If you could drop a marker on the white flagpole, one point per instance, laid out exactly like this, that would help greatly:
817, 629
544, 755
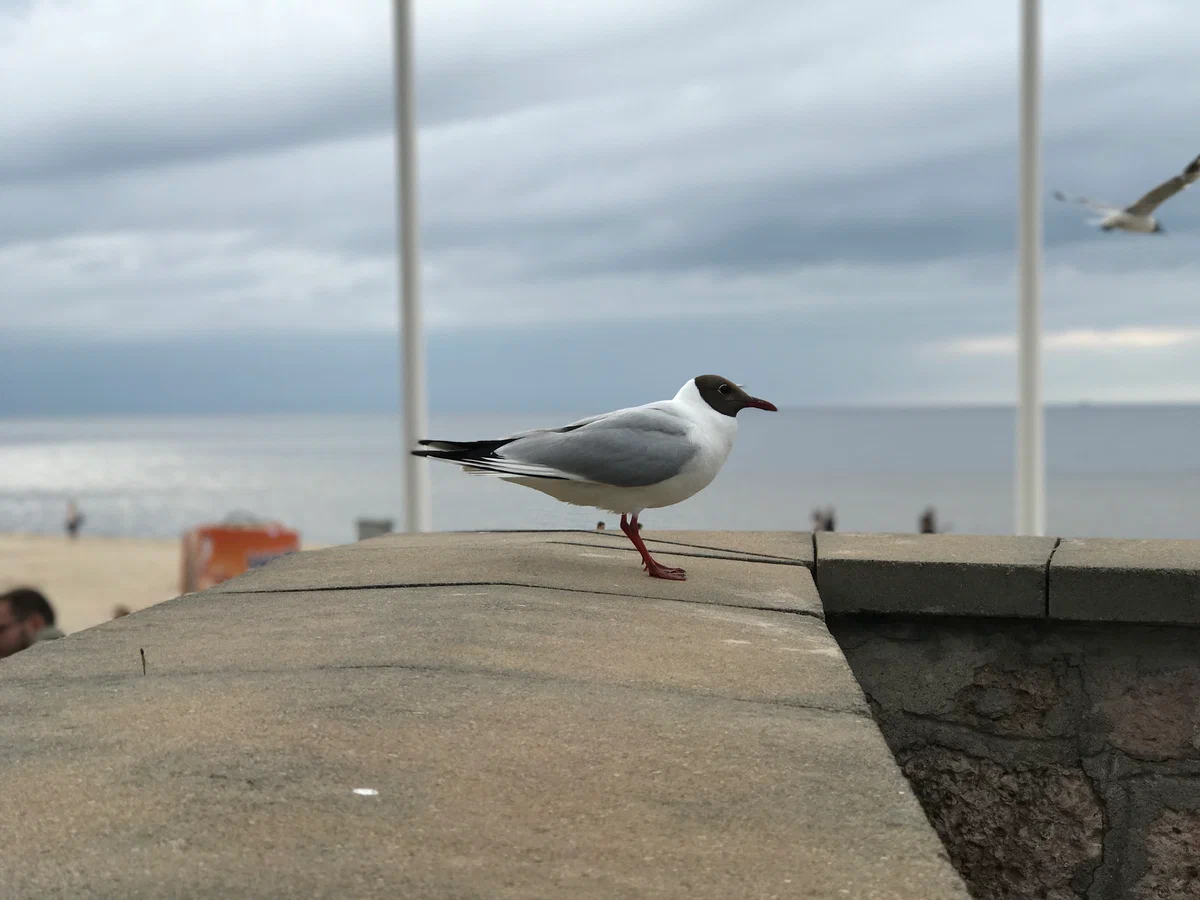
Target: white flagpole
1030, 493
417, 515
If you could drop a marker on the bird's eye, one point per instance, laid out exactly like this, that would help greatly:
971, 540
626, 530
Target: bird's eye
724, 389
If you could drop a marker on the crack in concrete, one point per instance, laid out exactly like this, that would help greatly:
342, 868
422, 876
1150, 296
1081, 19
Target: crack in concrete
544, 678
816, 580
815, 614
650, 539
1097, 787
735, 555
1015, 740
1049, 561
485, 672
1154, 778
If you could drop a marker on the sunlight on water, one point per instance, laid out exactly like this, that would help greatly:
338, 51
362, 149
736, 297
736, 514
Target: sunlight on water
1112, 471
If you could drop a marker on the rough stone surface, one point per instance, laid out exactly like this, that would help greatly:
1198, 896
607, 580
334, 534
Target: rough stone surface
997, 678
643, 643
942, 574
1173, 853
1153, 715
1012, 833
513, 741
581, 561
1024, 701
1109, 580
1043, 751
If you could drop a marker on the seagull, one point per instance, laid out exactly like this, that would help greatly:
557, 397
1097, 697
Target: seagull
1137, 217
625, 461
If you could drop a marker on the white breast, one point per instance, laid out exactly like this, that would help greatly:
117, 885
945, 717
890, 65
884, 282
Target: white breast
713, 435
1130, 222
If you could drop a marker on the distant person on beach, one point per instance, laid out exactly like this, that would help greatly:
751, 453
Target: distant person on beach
26, 617
74, 520
927, 524
822, 519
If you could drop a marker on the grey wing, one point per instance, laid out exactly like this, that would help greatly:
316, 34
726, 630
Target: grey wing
570, 426
1165, 191
628, 448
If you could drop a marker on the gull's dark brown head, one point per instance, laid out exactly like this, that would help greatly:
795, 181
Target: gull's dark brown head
726, 397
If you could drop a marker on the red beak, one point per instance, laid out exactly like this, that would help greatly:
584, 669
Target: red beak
761, 404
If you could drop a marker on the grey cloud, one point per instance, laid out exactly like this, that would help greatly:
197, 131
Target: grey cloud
326, 102
85, 148
846, 172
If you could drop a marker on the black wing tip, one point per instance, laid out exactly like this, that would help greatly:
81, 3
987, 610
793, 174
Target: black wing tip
1193, 167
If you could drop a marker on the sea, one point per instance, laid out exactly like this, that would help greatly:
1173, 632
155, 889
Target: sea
1111, 471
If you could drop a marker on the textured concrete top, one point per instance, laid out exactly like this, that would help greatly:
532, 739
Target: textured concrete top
598, 562
944, 574
1152, 581
463, 716
1126, 580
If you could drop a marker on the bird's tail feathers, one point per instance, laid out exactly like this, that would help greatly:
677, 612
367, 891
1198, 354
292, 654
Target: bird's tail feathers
458, 451
480, 458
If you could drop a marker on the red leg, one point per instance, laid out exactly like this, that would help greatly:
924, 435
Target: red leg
653, 569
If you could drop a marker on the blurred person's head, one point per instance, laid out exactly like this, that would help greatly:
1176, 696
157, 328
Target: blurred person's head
24, 614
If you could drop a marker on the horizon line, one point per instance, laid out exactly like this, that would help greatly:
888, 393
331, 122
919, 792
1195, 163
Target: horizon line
849, 406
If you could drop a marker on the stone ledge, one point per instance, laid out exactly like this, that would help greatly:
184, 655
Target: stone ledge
580, 561
943, 574
1152, 581
1108, 580
949, 575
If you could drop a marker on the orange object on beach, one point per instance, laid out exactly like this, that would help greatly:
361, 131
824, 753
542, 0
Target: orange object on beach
216, 553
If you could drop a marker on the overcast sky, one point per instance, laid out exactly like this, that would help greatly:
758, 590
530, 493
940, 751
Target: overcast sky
838, 176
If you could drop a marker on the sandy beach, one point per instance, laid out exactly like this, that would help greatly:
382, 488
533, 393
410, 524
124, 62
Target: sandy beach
87, 578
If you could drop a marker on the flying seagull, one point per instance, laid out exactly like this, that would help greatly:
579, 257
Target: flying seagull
1137, 217
641, 457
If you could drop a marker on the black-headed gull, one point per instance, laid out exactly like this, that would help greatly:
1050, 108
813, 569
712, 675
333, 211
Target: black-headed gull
625, 461
1137, 216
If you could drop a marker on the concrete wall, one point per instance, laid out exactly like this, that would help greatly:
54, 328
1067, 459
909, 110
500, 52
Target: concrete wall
534, 716
1055, 759
1045, 709
464, 715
